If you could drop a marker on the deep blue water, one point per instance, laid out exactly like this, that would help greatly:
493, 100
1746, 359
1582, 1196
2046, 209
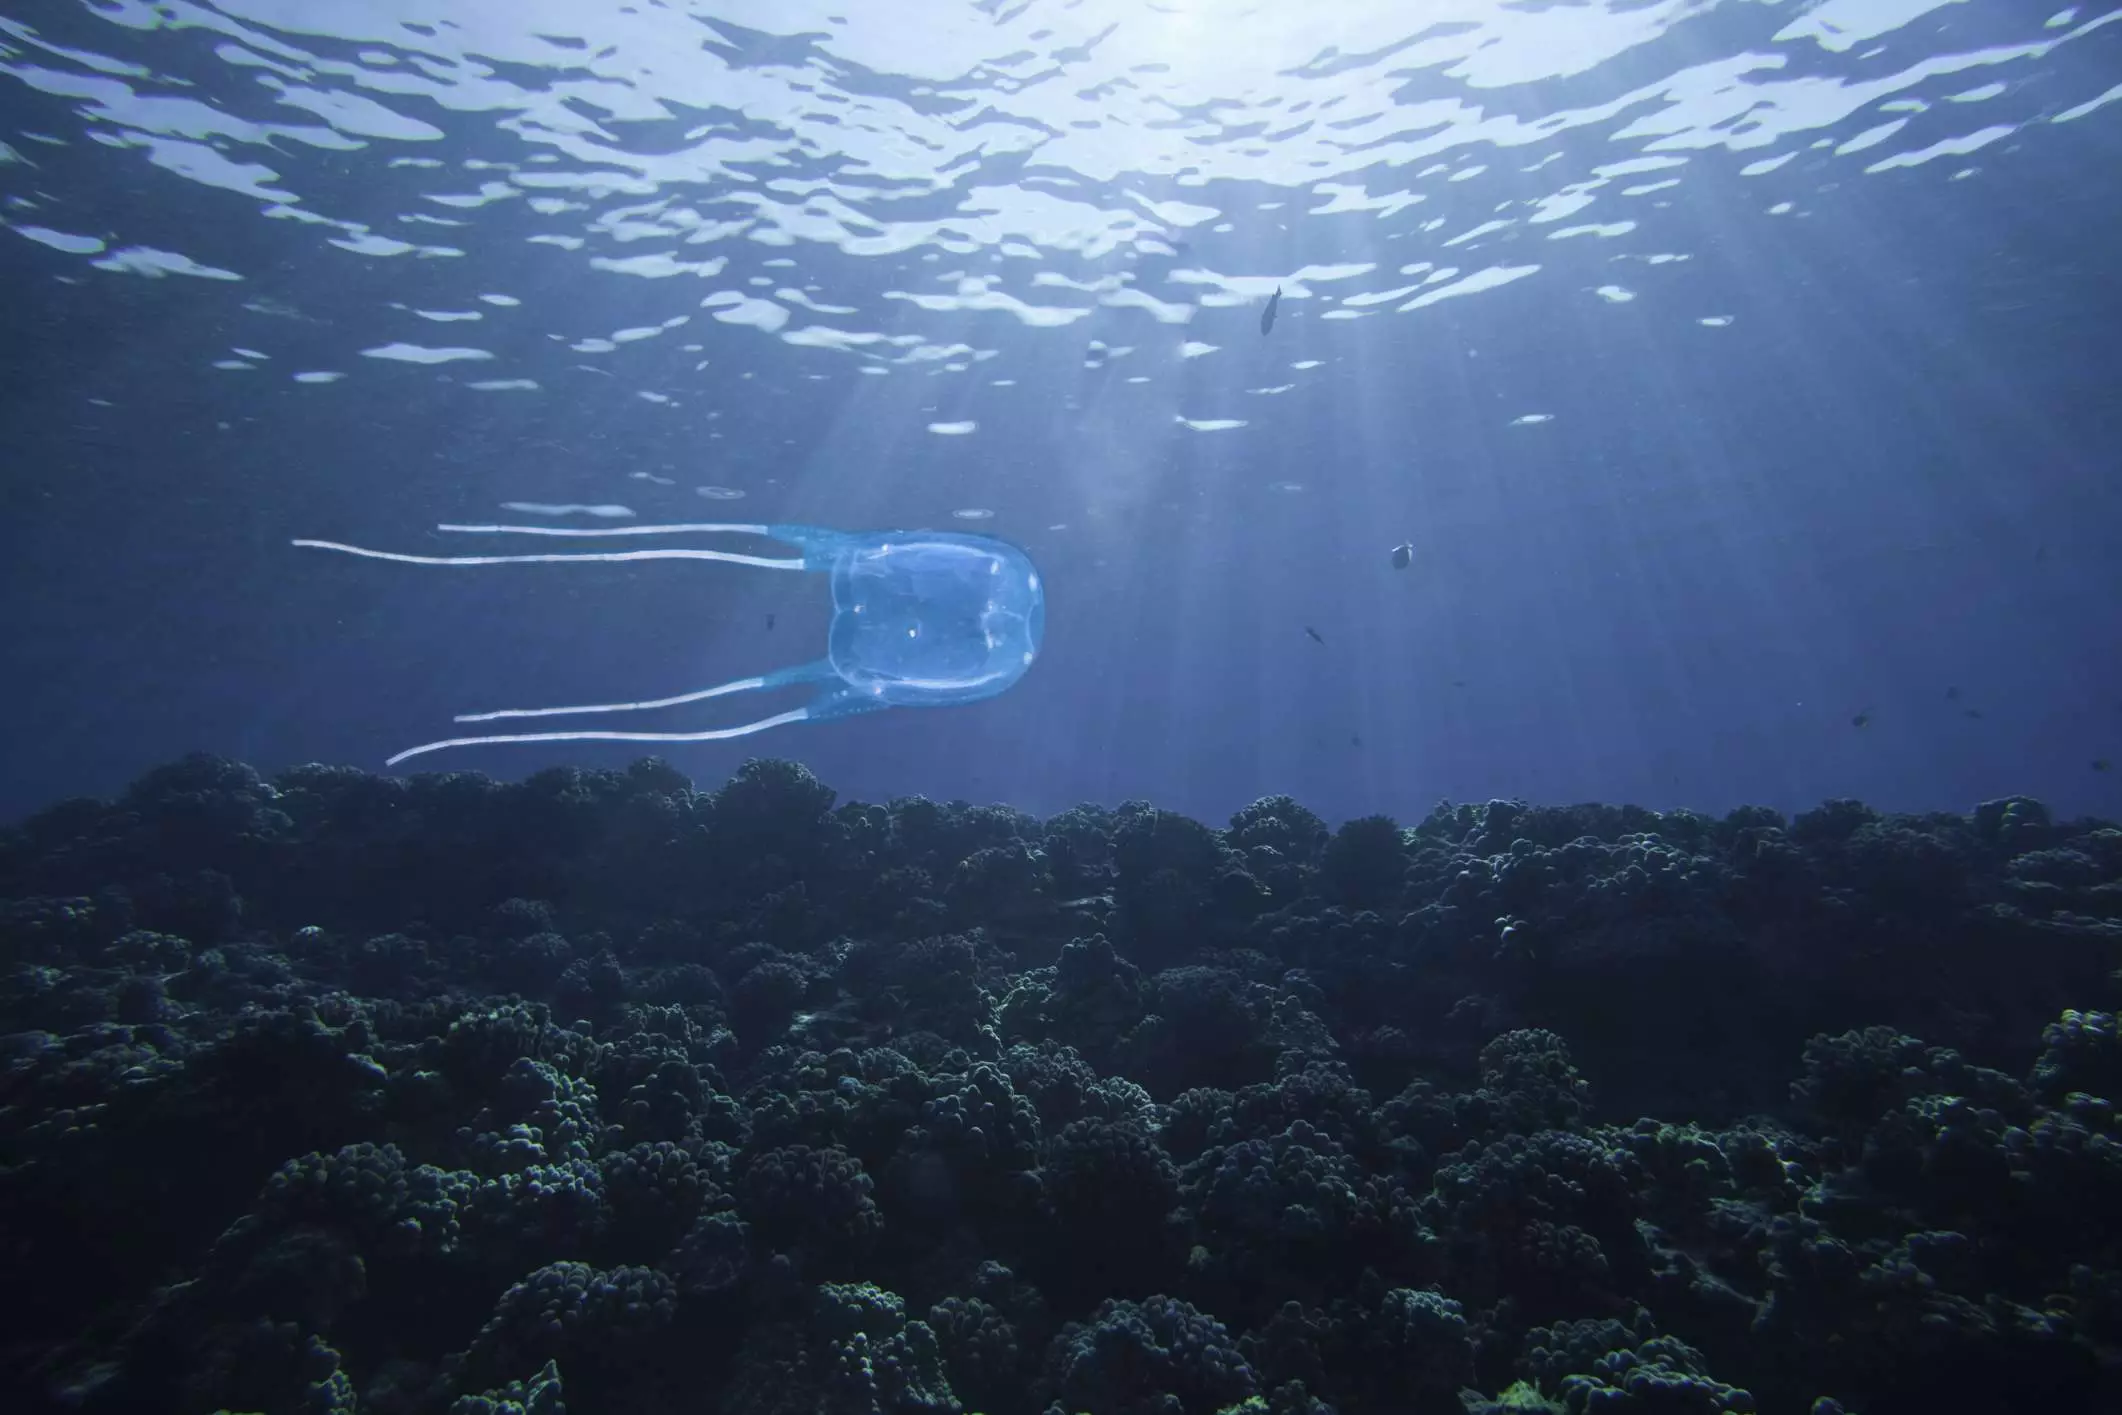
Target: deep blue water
1744, 376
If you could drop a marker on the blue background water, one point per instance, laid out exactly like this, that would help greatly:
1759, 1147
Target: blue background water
1736, 371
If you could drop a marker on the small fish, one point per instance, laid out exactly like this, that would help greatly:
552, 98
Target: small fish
2102, 764
1970, 712
279, 309
1316, 636
1267, 316
1861, 718
769, 623
1952, 695
1355, 739
1403, 555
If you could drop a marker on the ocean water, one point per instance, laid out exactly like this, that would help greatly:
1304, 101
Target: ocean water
1741, 376
1498, 625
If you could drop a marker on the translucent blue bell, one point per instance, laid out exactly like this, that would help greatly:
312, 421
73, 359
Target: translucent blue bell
920, 619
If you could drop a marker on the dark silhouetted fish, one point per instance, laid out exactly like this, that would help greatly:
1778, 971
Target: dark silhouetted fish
1316, 636
769, 623
1403, 555
1861, 718
1267, 316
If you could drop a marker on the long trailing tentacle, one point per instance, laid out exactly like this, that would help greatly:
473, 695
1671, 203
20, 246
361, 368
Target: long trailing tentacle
712, 735
681, 528
764, 562
739, 686
779, 678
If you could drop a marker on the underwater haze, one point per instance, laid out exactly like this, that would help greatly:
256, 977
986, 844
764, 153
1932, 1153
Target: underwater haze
1740, 376
1060, 707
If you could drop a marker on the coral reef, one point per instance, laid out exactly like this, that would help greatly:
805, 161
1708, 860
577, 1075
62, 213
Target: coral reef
597, 1091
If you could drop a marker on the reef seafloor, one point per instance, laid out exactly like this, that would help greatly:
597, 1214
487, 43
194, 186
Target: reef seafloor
598, 1092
